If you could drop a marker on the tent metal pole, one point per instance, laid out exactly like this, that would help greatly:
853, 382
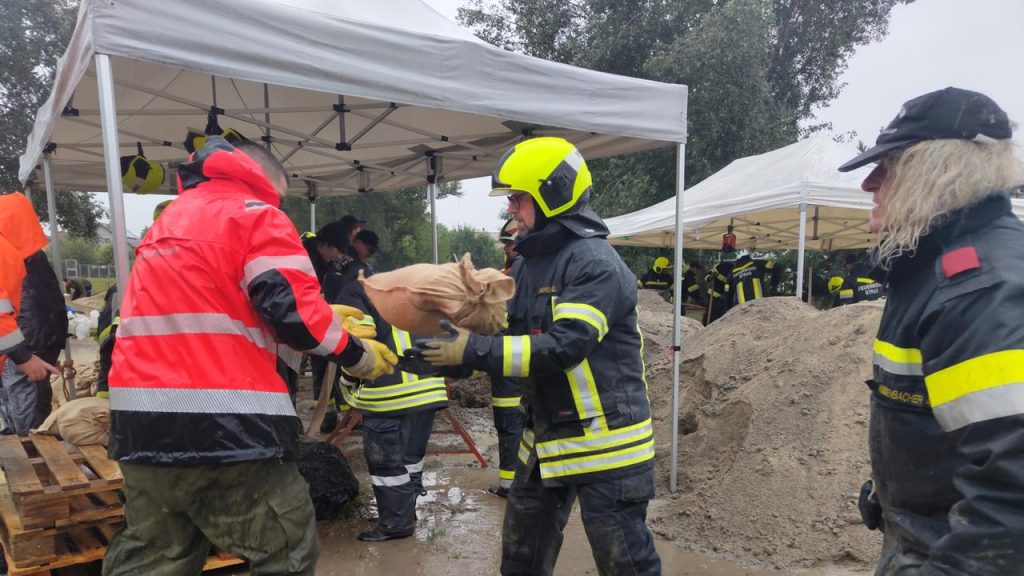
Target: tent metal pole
51, 212
266, 116
677, 323
111, 151
432, 192
801, 244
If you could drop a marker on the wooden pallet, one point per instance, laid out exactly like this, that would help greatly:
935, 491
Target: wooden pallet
85, 545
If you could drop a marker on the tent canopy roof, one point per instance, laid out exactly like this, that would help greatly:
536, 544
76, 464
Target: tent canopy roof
356, 95
761, 196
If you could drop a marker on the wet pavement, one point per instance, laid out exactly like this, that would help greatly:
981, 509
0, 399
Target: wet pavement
459, 533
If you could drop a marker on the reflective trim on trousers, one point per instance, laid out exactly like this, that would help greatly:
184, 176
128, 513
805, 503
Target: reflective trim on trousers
414, 468
516, 356
598, 463
194, 323
390, 481
201, 401
595, 442
506, 401
261, 264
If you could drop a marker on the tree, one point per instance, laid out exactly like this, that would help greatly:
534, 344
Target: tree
482, 247
33, 34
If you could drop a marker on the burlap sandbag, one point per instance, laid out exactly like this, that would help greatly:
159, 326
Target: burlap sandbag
417, 297
80, 422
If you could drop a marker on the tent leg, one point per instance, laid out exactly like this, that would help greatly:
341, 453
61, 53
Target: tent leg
51, 211
800, 252
111, 154
432, 192
312, 214
677, 323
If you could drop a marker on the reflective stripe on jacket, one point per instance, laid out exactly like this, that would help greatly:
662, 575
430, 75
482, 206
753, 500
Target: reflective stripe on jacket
753, 279
947, 424
218, 280
573, 337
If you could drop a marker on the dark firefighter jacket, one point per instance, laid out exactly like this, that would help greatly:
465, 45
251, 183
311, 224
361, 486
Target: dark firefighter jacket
43, 317
218, 281
394, 394
655, 280
947, 410
753, 279
860, 285
573, 338
719, 286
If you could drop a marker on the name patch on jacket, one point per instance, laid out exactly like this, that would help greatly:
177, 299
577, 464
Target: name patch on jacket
959, 261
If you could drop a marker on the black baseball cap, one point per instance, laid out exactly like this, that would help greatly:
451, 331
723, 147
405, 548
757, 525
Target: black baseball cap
950, 113
370, 238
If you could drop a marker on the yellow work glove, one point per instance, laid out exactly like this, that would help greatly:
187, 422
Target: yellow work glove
349, 317
377, 361
446, 350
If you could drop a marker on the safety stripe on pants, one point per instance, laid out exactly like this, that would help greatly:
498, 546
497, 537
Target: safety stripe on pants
390, 481
415, 467
201, 401
506, 401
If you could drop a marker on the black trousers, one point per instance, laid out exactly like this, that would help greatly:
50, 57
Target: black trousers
614, 516
394, 447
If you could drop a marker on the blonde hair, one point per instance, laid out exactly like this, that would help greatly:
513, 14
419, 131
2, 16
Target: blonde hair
933, 178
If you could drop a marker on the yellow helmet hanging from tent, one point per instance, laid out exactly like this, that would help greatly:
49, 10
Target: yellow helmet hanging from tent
551, 170
141, 175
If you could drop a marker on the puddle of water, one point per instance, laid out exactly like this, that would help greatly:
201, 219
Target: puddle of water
459, 532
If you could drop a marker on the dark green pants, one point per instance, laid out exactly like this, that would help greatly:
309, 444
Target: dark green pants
259, 511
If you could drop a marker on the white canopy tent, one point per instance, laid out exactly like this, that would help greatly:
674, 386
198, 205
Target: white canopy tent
788, 198
354, 97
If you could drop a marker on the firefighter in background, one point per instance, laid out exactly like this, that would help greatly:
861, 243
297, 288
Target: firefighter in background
860, 283
719, 287
947, 402
753, 279
506, 392
573, 338
659, 277
398, 415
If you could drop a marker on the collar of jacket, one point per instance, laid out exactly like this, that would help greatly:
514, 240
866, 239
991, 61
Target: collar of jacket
582, 222
950, 227
222, 163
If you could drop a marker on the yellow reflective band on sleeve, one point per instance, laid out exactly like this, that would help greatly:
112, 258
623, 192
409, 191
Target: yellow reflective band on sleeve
769, 264
847, 293
505, 402
599, 462
896, 360
982, 388
584, 312
516, 356
743, 267
865, 280
506, 474
693, 288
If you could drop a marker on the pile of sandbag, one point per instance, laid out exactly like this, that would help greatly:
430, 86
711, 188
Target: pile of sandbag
81, 422
416, 298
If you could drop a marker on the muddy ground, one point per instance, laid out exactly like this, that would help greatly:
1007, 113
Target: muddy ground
772, 447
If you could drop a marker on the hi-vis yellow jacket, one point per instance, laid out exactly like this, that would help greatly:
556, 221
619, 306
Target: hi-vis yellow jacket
573, 338
947, 421
394, 394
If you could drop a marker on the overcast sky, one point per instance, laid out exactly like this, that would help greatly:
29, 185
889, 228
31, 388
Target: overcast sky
976, 44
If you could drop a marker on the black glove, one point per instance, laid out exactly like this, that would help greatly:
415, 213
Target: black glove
870, 508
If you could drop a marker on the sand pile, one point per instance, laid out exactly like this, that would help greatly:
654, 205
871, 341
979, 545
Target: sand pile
773, 432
